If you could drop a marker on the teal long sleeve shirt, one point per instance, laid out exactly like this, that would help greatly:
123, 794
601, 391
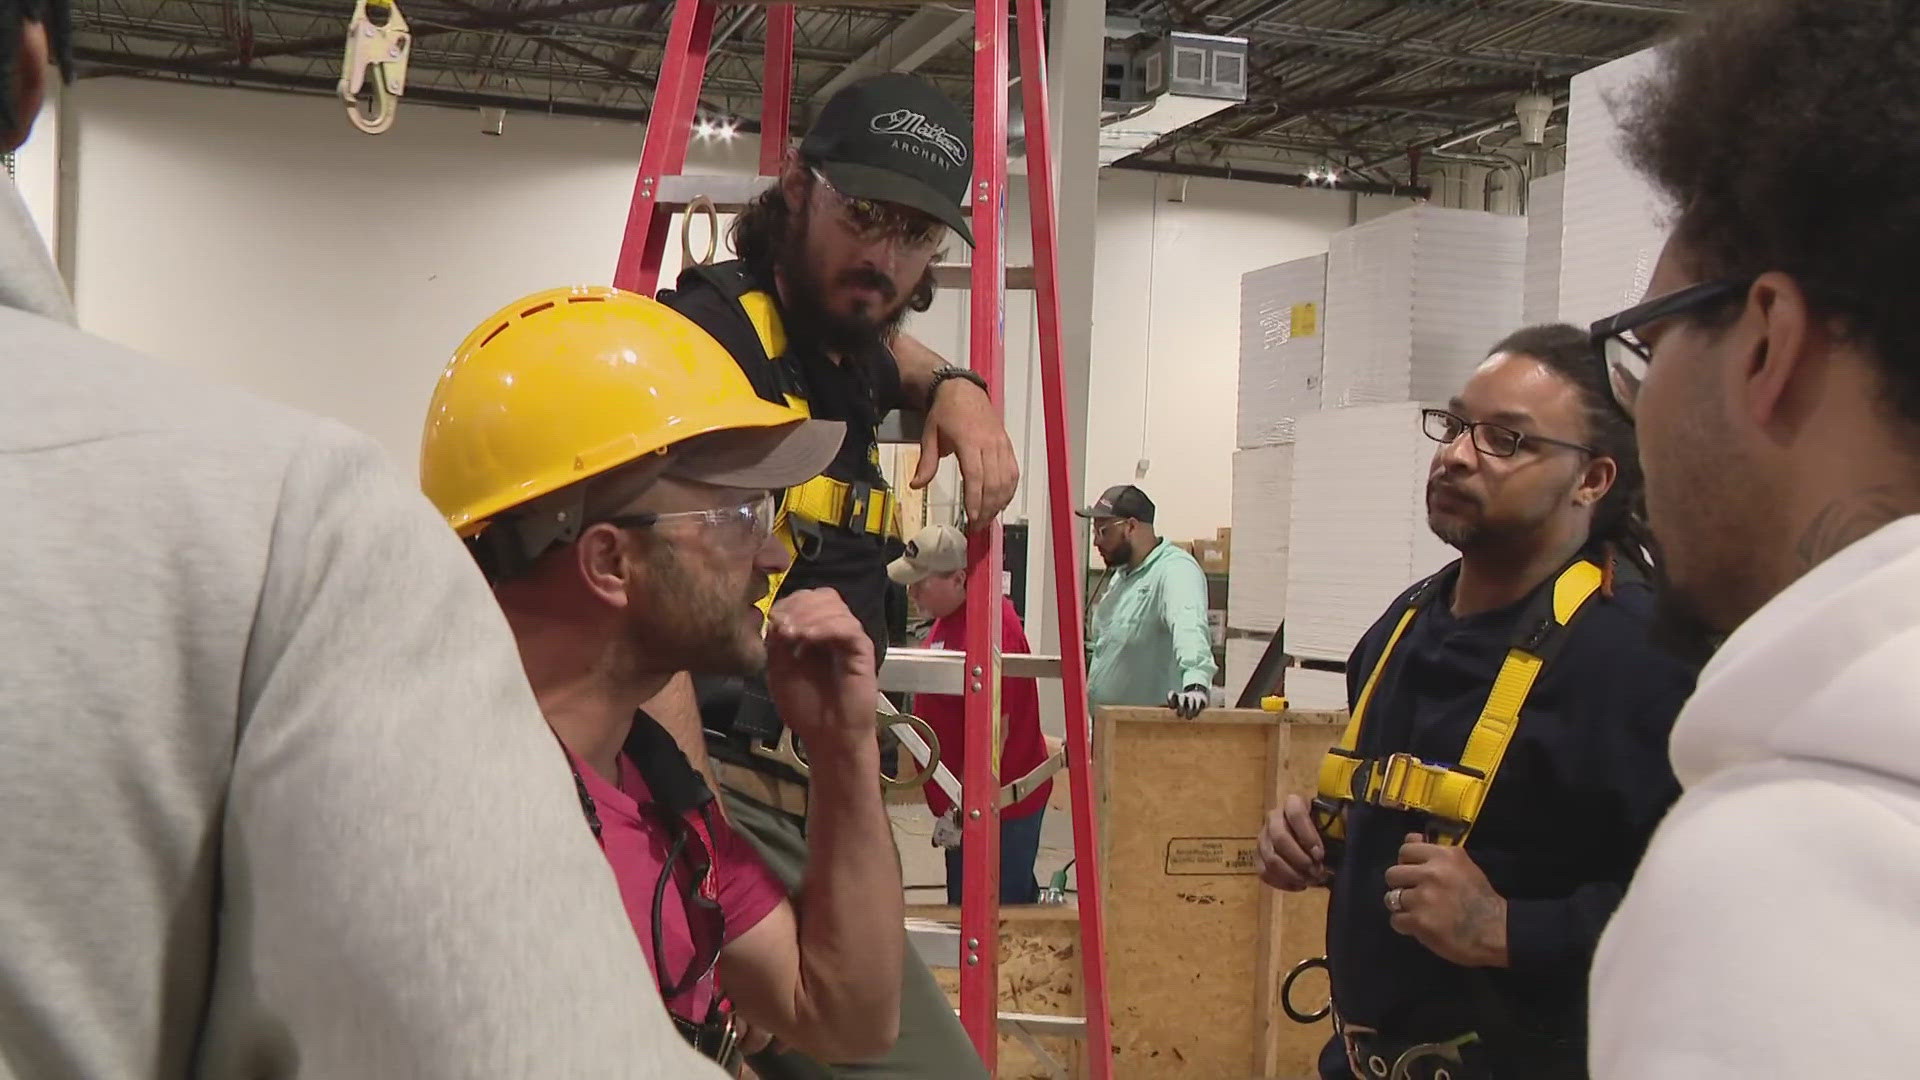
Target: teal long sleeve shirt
1149, 635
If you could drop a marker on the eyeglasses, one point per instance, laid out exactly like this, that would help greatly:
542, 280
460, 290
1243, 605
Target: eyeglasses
706, 921
751, 522
1617, 348
874, 220
1494, 440
1116, 521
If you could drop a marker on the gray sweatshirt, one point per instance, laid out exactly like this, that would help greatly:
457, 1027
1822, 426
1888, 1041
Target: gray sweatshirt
275, 799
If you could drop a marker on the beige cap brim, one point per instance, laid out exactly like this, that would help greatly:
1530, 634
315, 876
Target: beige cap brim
766, 458
901, 571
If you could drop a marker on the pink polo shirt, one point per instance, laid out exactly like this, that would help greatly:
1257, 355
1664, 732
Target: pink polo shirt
637, 846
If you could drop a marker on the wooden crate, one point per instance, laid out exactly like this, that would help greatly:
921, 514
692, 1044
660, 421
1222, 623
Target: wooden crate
1039, 973
1196, 944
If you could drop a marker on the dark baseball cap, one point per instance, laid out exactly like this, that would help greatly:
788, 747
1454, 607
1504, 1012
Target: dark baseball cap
896, 138
1123, 501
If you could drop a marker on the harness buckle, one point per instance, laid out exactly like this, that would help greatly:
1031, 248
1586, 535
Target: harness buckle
1408, 783
806, 536
859, 495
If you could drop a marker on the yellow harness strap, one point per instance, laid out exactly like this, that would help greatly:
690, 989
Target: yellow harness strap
822, 500
1451, 795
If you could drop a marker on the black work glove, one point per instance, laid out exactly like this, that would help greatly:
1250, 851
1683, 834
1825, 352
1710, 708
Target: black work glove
1188, 703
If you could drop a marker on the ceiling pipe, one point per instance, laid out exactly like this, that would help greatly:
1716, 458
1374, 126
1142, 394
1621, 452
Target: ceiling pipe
218, 59
1261, 176
1455, 139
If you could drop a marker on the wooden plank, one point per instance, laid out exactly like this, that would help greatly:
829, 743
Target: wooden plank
1154, 714
1197, 943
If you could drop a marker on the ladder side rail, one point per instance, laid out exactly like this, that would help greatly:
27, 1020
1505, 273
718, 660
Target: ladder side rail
980, 817
1065, 538
776, 90
664, 151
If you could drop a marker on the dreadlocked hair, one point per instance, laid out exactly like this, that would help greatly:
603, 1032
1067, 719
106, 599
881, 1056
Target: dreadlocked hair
57, 17
1620, 519
760, 233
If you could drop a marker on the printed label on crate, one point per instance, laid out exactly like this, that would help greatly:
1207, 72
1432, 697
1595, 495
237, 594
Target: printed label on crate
1306, 320
1212, 855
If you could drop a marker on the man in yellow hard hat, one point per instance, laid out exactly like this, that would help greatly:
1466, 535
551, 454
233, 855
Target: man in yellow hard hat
613, 473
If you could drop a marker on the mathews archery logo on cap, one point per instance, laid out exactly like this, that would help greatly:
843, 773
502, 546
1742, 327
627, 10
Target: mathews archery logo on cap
895, 138
915, 126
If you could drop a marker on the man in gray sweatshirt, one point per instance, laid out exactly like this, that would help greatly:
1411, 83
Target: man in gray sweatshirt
275, 799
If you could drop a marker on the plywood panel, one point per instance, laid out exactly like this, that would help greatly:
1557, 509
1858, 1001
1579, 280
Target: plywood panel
1196, 944
1039, 973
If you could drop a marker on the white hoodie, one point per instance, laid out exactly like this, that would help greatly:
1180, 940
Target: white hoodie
1773, 929
275, 799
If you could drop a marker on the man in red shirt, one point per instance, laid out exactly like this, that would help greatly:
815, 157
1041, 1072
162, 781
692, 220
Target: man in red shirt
612, 472
934, 570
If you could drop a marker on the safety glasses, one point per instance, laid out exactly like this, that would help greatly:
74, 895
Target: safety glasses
873, 220
749, 523
1494, 440
1623, 357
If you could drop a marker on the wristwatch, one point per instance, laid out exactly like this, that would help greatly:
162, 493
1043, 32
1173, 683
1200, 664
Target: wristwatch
941, 375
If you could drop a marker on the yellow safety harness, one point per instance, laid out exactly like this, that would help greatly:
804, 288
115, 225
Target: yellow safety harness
855, 506
1450, 795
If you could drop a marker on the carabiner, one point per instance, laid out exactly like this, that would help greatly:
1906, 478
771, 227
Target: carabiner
380, 50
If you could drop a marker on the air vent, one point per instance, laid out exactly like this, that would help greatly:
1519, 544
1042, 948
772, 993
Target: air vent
1229, 70
1189, 65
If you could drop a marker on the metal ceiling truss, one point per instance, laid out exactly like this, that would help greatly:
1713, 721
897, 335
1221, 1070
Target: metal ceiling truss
1359, 85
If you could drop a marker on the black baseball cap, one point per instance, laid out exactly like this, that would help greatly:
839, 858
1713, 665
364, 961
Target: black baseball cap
1124, 501
896, 138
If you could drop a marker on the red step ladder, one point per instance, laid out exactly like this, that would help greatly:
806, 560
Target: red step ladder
660, 191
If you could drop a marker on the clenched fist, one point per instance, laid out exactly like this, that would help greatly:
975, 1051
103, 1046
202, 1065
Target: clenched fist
1292, 854
821, 672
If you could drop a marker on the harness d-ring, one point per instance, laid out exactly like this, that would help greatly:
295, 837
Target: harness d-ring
1286, 992
694, 206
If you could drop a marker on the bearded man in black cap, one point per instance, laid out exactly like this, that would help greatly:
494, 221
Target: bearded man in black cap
831, 259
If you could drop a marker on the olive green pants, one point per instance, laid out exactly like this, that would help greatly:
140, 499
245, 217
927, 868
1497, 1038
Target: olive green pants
932, 1044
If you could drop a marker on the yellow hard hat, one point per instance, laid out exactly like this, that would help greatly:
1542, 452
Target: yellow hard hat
569, 383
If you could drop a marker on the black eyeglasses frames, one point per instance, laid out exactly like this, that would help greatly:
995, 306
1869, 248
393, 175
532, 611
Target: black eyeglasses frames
1617, 348
1494, 440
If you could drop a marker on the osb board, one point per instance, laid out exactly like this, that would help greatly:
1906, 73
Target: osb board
1039, 973
1196, 945
1300, 920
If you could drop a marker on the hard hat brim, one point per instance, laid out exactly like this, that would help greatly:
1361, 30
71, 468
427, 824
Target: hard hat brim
760, 458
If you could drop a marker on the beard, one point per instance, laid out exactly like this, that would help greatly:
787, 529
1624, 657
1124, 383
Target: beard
808, 316
696, 622
1121, 555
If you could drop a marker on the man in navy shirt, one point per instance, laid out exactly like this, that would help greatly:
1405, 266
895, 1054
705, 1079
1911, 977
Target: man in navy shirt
1506, 762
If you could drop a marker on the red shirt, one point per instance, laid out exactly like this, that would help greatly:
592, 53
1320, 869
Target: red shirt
637, 844
1022, 747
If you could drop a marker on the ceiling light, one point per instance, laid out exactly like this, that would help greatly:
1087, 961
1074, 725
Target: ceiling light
728, 130
703, 129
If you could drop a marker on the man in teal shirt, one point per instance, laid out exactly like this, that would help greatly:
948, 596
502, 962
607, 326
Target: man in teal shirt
1149, 643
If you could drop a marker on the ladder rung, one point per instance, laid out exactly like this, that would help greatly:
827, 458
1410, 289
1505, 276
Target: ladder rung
730, 194
943, 671
900, 427
960, 276
1041, 1024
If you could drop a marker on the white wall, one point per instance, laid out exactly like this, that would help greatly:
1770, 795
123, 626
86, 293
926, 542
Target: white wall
260, 238
1167, 328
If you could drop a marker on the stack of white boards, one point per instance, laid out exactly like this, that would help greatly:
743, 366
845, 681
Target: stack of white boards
1612, 228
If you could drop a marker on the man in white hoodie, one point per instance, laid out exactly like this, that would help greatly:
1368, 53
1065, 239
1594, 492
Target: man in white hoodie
1774, 926
275, 799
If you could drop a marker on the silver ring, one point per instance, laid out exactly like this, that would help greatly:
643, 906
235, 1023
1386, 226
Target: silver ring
1393, 901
